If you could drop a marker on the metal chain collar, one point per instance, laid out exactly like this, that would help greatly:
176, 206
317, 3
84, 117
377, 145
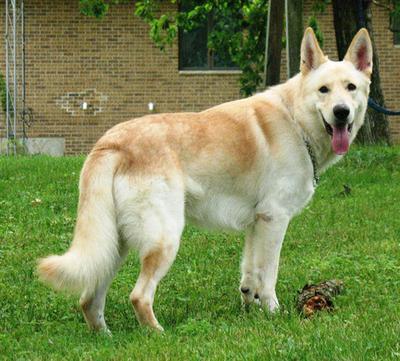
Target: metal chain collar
313, 161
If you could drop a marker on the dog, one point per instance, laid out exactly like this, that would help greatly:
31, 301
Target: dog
250, 164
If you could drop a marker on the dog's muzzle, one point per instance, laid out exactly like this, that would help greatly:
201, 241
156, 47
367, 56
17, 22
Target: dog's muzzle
341, 113
340, 130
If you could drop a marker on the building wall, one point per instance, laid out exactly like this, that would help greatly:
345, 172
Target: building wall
111, 64
114, 67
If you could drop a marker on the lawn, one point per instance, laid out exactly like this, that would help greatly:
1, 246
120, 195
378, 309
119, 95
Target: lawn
352, 237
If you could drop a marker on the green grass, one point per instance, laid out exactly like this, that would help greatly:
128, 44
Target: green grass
355, 238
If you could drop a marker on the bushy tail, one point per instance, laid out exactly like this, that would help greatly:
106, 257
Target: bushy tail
93, 254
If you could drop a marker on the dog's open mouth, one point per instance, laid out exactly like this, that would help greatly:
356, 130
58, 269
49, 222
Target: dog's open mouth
329, 129
340, 136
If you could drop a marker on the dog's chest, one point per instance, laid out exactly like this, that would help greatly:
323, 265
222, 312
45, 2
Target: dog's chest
220, 211
232, 207
288, 194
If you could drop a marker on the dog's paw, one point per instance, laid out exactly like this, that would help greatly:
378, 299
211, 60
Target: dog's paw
270, 303
248, 294
106, 331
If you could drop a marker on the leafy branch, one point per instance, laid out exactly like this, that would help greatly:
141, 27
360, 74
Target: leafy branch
238, 29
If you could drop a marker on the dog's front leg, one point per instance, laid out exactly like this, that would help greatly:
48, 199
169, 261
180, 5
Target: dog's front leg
261, 259
249, 282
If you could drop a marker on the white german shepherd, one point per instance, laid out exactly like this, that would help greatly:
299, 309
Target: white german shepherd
249, 164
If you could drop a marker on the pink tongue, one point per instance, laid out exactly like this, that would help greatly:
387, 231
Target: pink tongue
340, 140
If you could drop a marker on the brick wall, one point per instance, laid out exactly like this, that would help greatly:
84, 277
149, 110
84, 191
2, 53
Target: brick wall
114, 67
111, 64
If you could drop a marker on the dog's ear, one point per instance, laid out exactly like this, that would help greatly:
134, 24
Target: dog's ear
311, 54
360, 52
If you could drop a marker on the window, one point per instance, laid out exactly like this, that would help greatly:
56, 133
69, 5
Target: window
395, 25
193, 50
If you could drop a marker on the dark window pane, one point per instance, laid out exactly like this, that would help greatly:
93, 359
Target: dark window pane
396, 32
223, 62
193, 49
220, 58
395, 19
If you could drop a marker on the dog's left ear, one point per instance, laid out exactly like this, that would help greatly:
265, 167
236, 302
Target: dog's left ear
311, 54
360, 52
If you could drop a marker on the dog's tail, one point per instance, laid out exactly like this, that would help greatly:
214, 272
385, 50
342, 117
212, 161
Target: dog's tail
94, 252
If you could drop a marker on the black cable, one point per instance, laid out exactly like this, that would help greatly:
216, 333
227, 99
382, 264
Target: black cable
380, 109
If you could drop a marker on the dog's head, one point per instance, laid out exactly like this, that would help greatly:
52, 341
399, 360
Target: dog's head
337, 91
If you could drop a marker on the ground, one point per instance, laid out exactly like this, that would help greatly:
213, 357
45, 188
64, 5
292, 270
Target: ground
354, 237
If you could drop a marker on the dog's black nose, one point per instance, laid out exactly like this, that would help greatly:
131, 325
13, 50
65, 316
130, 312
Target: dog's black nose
341, 112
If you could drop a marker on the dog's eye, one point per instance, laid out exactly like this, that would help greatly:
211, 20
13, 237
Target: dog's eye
351, 87
323, 89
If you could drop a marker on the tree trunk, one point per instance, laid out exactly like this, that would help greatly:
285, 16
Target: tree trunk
273, 48
294, 35
349, 16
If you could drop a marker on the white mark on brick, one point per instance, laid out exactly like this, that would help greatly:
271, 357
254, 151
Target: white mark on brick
72, 102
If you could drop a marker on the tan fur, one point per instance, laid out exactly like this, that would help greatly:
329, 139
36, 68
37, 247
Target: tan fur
47, 270
263, 217
144, 313
159, 142
151, 262
143, 308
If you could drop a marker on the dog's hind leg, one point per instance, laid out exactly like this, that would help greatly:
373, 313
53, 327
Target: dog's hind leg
154, 266
93, 303
151, 219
